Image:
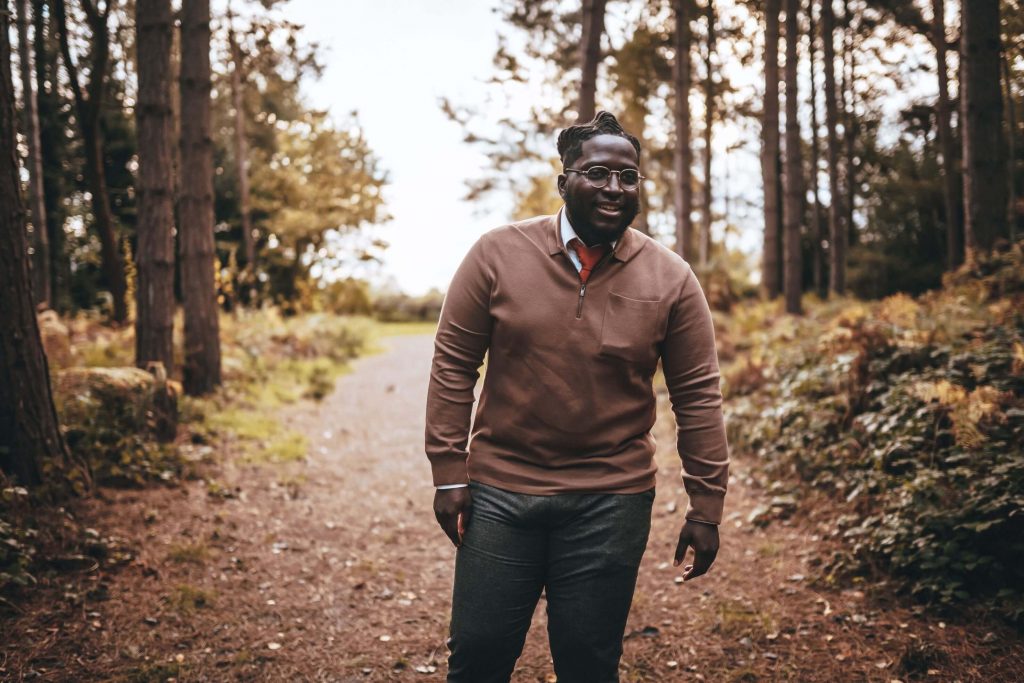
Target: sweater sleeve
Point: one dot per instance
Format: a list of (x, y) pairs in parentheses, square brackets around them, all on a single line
[(463, 336), (690, 362)]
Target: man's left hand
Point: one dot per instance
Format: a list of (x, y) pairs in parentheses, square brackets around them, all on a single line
[(703, 538)]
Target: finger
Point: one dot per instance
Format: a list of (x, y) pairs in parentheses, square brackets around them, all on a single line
[(681, 548), (702, 562), (449, 524), (461, 526)]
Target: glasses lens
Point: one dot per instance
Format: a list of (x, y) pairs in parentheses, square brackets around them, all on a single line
[(598, 175), (629, 178)]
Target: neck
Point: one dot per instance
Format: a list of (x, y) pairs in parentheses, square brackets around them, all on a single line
[(586, 234)]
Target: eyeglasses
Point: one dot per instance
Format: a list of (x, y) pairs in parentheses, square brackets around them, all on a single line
[(598, 176)]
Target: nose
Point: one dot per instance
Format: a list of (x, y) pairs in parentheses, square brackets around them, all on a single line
[(613, 178)]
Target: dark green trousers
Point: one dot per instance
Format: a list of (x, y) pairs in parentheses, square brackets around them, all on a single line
[(582, 549)]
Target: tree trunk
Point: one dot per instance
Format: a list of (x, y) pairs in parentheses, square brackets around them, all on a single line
[(954, 221), (198, 260), (836, 222), (37, 207), (154, 255), (792, 270), (241, 152), (820, 286), (683, 158), (982, 116), (590, 57), (850, 129), (1011, 149), (709, 119), (28, 422), (51, 151), (88, 110), (771, 156)]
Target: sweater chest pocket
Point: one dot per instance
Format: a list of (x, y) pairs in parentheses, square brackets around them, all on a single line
[(630, 329)]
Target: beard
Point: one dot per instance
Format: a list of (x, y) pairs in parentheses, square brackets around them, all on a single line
[(595, 227)]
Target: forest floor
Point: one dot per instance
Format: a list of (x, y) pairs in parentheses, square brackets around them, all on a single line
[(332, 568)]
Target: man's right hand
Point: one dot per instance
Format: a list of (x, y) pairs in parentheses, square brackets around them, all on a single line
[(448, 505)]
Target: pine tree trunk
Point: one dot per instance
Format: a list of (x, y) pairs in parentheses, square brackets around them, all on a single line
[(51, 151), (37, 207), (590, 57), (88, 110), (982, 116), (792, 270), (241, 153), (198, 261), (954, 221), (820, 285), (771, 156), (683, 158), (709, 119), (836, 216), (1011, 150), (154, 255), (850, 132), (28, 422)]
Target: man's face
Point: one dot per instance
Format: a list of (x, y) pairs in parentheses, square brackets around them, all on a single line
[(601, 215)]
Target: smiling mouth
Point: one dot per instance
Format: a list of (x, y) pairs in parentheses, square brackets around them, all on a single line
[(609, 209)]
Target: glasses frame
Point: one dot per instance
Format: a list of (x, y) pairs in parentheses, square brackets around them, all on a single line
[(639, 182)]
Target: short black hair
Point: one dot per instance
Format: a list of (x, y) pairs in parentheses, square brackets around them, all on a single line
[(571, 139)]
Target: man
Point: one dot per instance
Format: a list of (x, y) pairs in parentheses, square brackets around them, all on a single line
[(554, 492)]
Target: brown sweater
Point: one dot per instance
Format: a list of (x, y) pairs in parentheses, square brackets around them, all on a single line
[(567, 403)]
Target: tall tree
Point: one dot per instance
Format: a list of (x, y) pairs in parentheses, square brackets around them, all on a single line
[(820, 286), (709, 120), (1011, 149), (982, 127), (954, 221), (154, 255), (37, 206), (54, 148), (836, 216), (792, 271), (590, 57), (851, 129), (683, 157), (771, 155), (88, 110), (241, 150), (198, 260), (28, 422)]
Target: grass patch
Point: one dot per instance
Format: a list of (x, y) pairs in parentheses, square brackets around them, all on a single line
[(186, 599), (383, 329), (288, 447), (189, 553), (736, 620)]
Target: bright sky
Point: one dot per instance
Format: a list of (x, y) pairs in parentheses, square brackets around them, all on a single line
[(392, 60)]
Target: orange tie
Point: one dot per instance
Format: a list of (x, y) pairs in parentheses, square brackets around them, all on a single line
[(589, 256)]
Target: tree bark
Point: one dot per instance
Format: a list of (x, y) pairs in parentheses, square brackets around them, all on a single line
[(198, 260), (154, 255), (28, 421), (792, 270), (836, 215), (241, 151), (683, 158), (709, 120), (590, 57), (954, 221), (88, 108), (820, 285), (982, 116), (771, 156), (37, 207)]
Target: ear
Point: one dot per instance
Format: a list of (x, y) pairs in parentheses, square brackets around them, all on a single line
[(562, 180)]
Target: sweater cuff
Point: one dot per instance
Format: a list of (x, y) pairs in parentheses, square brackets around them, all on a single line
[(449, 469), (706, 507)]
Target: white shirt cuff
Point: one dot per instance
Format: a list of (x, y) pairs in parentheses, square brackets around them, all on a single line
[(451, 486)]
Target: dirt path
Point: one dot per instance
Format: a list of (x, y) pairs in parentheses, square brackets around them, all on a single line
[(334, 570)]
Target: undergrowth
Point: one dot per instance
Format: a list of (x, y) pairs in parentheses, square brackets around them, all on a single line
[(906, 416)]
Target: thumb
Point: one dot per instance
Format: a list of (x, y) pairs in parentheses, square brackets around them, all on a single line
[(681, 548)]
